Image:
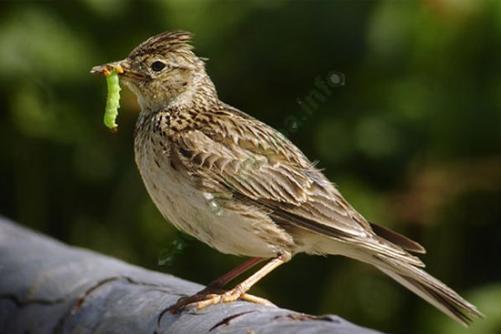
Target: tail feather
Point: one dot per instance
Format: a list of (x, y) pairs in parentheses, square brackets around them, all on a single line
[(397, 239), (430, 289)]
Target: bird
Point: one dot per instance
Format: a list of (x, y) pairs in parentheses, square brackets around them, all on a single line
[(243, 188)]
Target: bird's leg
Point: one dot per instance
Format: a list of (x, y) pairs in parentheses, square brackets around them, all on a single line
[(208, 296), (217, 285), (241, 289), (220, 282)]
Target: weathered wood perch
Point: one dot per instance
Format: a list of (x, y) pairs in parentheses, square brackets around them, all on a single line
[(49, 287)]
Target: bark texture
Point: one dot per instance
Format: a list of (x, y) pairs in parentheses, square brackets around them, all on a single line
[(49, 287)]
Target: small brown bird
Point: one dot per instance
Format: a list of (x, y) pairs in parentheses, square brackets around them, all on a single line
[(241, 187)]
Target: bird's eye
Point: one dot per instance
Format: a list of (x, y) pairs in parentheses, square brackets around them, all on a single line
[(157, 66)]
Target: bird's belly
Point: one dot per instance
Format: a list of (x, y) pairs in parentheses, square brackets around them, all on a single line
[(199, 214)]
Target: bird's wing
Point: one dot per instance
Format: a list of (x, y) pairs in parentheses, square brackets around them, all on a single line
[(237, 154), (233, 154)]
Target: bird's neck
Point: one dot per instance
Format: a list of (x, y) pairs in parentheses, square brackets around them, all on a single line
[(201, 95), (199, 100)]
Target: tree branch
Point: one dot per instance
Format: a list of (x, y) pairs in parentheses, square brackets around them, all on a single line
[(49, 287)]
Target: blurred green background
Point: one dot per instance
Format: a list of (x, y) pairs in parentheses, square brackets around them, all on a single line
[(412, 136)]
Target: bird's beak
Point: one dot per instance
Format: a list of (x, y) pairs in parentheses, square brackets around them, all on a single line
[(122, 67), (118, 66)]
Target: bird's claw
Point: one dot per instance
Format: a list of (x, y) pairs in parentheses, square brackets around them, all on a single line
[(208, 297)]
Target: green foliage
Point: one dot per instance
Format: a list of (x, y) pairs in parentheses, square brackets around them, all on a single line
[(412, 136)]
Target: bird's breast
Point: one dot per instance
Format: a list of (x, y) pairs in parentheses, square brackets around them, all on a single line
[(199, 213)]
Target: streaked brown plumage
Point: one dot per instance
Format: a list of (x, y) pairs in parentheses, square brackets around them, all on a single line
[(243, 188)]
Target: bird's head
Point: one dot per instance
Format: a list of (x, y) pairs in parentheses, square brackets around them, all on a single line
[(161, 70)]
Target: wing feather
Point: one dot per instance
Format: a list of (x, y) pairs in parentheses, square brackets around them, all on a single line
[(251, 160)]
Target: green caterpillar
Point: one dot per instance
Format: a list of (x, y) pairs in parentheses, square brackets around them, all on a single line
[(112, 101)]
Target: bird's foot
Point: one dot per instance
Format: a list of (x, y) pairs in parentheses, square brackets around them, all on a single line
[(230, 296), (211, 296), (183, 302), (256, 300)]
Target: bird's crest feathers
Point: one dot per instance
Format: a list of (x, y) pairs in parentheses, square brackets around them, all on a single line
[(164, 43)]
